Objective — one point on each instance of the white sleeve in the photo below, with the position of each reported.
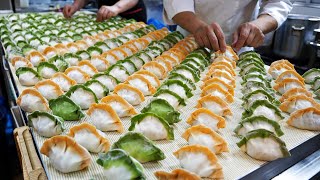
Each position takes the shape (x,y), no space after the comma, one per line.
(278,9)
(173,7)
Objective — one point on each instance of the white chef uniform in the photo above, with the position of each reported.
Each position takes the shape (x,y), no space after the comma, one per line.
(229,14)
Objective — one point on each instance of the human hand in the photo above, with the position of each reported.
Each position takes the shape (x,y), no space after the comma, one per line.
(106,12)
(69,10)
(211,36)
(247,34)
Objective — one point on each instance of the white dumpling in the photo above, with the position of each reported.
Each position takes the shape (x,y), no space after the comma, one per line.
(199,160)
(151,126)
(65,154)
(104,118)
(131,94)
(45,124)
(308,118)
(49,89)
(90,138)
(82,96)
(31,100)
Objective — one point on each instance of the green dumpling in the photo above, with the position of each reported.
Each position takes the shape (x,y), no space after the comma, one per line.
(82,95)
(152,126)
(163,109)
(264,108)
(66,108)
(257,122)
(118,165)
(177,87)
(139,147)
(263,145)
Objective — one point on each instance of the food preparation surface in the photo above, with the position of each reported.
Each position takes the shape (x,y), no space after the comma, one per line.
(235,163)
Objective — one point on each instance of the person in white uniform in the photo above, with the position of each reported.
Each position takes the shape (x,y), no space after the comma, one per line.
(216,23)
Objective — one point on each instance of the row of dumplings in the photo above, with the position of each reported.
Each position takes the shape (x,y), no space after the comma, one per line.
(259,125)
(199,157)
(46,69)
(312,77)
(143,150)
(33,32)
(296,99)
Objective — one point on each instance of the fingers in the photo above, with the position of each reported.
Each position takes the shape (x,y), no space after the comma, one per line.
(100,14)
(220,37)
(242,37)
(66,11)
(213,41)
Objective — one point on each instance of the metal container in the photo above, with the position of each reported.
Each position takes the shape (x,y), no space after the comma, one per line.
(293,37)
(314,46)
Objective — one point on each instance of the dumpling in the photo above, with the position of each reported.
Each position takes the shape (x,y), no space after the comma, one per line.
(294,92)
(82,44)
(308,118)
(47,70)
(35,58)
(90,138)
(263,108)
(259,94)
(107,80)
(73,47)
(97,87)
(120,166)
(221,68)
(310,75)
(289,74)
(229,54)
(202,135)
(138,81)
(59,62)
(225,59)
(298,102)
(257,122)
(192,74)
(63,81)
(119,72)
(199,160)
(82,95)
(49,89)
(100,63)
(131,94)
(65,108)
(256,78)
(263,145)
(217,90)
(224,83)
(153,79)
(20,62)
(171,97)
(77,74)
(119,53)
(282,61)
(163,109)
(214,104)
(180,77)
(203,116)
(222,63)
(65,154)
(287,84)
(221,83)
(139,147)
(178,174)
(111,58)
(50,52)
(120,105)
(177,87)
(316,83)
(87,67)
(155,68)
(152,126)
(278,69)
(27,76)
(253,68)
(31,100)
(45,124)
(252,86)
(221,75)
(104,118)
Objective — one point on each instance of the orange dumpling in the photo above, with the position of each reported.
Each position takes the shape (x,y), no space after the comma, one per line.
(217,90)
(206,117)
(214,104)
